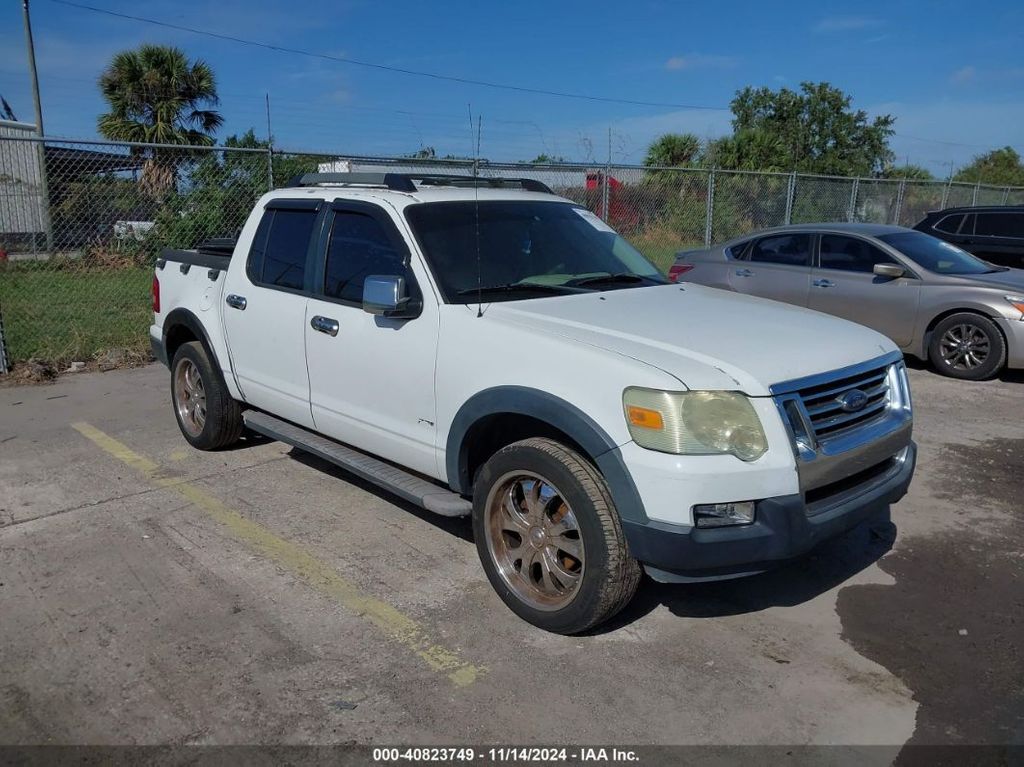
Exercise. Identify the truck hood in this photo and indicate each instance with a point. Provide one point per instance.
(706, 338)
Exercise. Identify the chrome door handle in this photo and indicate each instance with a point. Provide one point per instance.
(324, 325)
(823, 284)
(744, 273)
(236, 302)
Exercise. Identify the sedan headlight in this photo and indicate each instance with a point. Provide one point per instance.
(1017, 302)
(694, 423)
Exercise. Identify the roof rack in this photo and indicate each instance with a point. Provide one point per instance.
(395, 181)
(403, 182)
(495, 182)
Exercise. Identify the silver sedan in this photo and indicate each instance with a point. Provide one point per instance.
(936, 301)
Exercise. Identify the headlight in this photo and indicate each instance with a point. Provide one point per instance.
(1017, 302)
(694, 423)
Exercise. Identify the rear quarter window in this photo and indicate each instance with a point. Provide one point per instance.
(949, 224)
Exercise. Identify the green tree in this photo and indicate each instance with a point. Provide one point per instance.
(673, 150)
(546, 159)
(814, 130)
(1001, 167)
(909, 172)
(156, 95)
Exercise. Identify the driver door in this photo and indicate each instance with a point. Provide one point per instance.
(371, 378)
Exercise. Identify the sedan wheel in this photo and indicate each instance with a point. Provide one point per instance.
(967, 345)
(964, 347)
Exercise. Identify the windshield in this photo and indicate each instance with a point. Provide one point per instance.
(527, 249)
(935, 255)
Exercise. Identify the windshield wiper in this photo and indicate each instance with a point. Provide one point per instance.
(612, 279)
(517, 287)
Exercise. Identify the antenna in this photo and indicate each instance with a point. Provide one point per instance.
(476, 212)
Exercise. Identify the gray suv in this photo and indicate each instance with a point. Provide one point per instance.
(934, 300)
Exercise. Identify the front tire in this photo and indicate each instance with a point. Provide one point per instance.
(549, 537)
(967, 346)
(209, 418)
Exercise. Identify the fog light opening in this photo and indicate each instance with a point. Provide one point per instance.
(723, 514)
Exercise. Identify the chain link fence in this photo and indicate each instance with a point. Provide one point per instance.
(82, 222)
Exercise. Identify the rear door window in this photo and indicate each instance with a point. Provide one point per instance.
(280, 248)
(737, 250)
(785, 249)
(1000, 225)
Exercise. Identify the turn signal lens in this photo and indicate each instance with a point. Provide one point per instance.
(645, 418)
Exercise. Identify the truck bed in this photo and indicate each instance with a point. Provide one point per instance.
(212, 254)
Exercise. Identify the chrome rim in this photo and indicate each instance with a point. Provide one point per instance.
(964, 346)
(190, 397)
(534, 539)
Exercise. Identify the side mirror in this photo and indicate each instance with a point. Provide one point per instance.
(386, 296)
(891, 271)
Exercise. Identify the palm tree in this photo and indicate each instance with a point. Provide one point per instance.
(156, 95)
(673, 150)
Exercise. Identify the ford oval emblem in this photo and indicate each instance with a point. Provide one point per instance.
(852, 401)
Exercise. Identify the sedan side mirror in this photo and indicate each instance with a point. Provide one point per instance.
(889, 270)
(387, 296)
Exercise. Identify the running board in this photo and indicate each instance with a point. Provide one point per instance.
(411, 487)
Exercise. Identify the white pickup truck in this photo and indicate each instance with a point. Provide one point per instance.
(484, 347)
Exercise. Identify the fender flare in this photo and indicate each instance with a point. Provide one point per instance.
(564, 416)
(189, 320)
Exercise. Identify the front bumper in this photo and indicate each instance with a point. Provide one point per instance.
(784, 527)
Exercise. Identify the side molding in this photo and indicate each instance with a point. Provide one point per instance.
(562, 415)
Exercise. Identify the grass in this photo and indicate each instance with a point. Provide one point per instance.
(61, 314)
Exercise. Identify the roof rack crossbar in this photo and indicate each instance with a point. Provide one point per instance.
(446, 179)
(395, 181)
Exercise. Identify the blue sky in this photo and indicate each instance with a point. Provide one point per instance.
(952, 73)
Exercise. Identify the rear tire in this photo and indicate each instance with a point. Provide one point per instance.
(549, 537)
(967, 346)
(209, 418)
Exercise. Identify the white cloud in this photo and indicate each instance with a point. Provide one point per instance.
(963, 75)
(699, 61)
(846, 23)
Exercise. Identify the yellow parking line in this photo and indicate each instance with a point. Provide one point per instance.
(313, 571)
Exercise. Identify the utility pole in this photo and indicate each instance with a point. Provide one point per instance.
(44, 190)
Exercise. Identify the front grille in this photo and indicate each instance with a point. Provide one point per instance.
(824, 408)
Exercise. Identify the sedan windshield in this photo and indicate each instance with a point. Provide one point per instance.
(935, 255)
(524, 249)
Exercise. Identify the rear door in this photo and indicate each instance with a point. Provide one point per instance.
(777, 266)
(264, 315)
(844, 284)
(371, 378)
